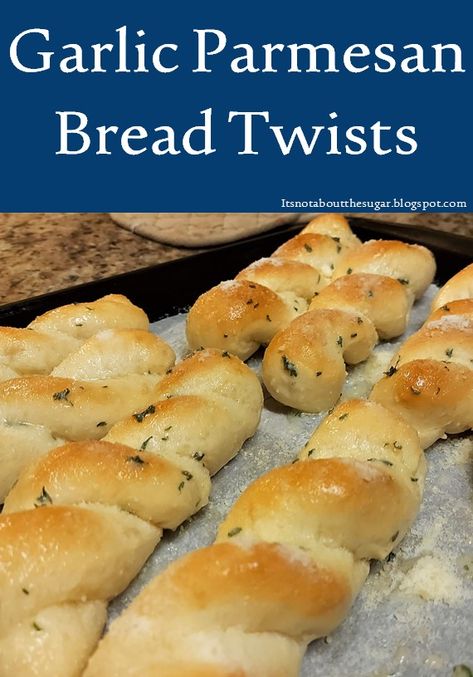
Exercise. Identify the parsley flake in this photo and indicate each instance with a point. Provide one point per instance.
(62, 396)
(145, 443)
(136, 459)
(290, 367)
(43, 499)
(234, 532)
(142, 414)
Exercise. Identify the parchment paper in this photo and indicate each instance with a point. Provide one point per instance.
(392, 628)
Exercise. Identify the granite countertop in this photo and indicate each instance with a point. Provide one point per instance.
(45, 252)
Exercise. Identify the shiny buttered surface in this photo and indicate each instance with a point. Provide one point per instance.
(430, 380)
(293, 551)
(241, 315)
(81, 520)
(288, 561)
(71, 375)
(284, 301)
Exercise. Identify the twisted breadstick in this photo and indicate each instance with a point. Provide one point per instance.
(51, 337)
(82, 520)
(411, 264)
(460, 286)
(106, 377)
(430, 380)
(292, 553)
(242, 314)
(304, 364)
(288, 561)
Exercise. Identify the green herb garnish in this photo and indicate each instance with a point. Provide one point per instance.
(62, 396)
(234, 532)
(290, 367)
(136, 459)
(139, 417)
(43, 499)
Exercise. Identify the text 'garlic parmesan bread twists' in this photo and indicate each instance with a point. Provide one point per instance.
(430, 380)
(82, 520)
(289, 559)
(72, 374)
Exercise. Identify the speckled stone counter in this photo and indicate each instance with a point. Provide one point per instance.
(45, 252)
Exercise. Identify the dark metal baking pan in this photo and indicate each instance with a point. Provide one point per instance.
(166, 288)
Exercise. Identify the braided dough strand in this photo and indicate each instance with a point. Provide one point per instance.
(430, 380)
(242, 314)
(357, 308)
(112, 374)
(98, 509)
(289, 558)
(460, 286)
(51, 337)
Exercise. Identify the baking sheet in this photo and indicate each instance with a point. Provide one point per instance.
(414, 616)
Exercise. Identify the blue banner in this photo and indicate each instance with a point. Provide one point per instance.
(248, 106)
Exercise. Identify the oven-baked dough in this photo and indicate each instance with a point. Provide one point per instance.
(242, 314)
(71, 374)
(289, 558)
(430, 380)
(46, 341)
(460, 286)
(304, 364)
(82, 520)
(327, 271)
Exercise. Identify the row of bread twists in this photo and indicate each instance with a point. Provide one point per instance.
(256, 606)
(370, 298)
(289, 558)
(110, 373)
(430, 380)
(51, 337)
(82, 520)
(240, 315)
